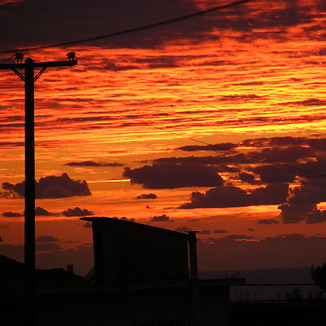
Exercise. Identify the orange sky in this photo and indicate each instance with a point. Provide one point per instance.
(160, 98)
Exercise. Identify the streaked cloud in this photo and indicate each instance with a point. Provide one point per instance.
(77, 211)
(161, 218)
(216, 147)
(46, 238)
(39, 211)
(219, 231)
(147, 196)
(51, 187)
(183, 229)
(230, 196)
(308, 213)
(12, 214)
(169, 176)
(47, 247)
(238, 237)
(268, 221)
(94, 164)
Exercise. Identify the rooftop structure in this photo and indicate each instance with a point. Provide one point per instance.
(153, 273)
(131, 252)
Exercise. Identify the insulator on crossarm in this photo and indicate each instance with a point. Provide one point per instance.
(19, 58)
(71, 56)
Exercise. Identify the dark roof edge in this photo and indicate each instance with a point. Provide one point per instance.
(103, 219)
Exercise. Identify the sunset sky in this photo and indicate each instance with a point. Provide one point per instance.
(214, 123)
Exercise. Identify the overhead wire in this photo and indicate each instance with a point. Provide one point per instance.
(157, 88)
(131, 30)
(133, 118)
(203, 142)
(182, 136)
(141, 28)
(11, 95)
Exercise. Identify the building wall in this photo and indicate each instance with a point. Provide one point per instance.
(126, 251)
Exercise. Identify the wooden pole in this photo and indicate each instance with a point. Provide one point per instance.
(29, 253)
(29, 225)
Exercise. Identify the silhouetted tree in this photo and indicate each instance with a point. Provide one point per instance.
(318, 274)
(294, 295)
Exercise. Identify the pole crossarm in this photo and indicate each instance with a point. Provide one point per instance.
(12, 66)
(69, 63)
(15, 67)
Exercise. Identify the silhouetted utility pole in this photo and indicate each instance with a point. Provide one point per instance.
(194, 311)
(29, 253)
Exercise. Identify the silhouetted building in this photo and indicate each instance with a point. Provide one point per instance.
(12, 277)
(143, 276)
(131, 252)
(151, 278)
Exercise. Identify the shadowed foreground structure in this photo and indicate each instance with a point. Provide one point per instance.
(131, 285)
(152, 272)
(144, 276)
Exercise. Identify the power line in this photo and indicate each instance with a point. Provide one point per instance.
(287, 165)
(200, 13)
(131, 30)
(185, 137)
(11, 95)
(117, 112)
(157, 88)
(145, 122)
(169, 131)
